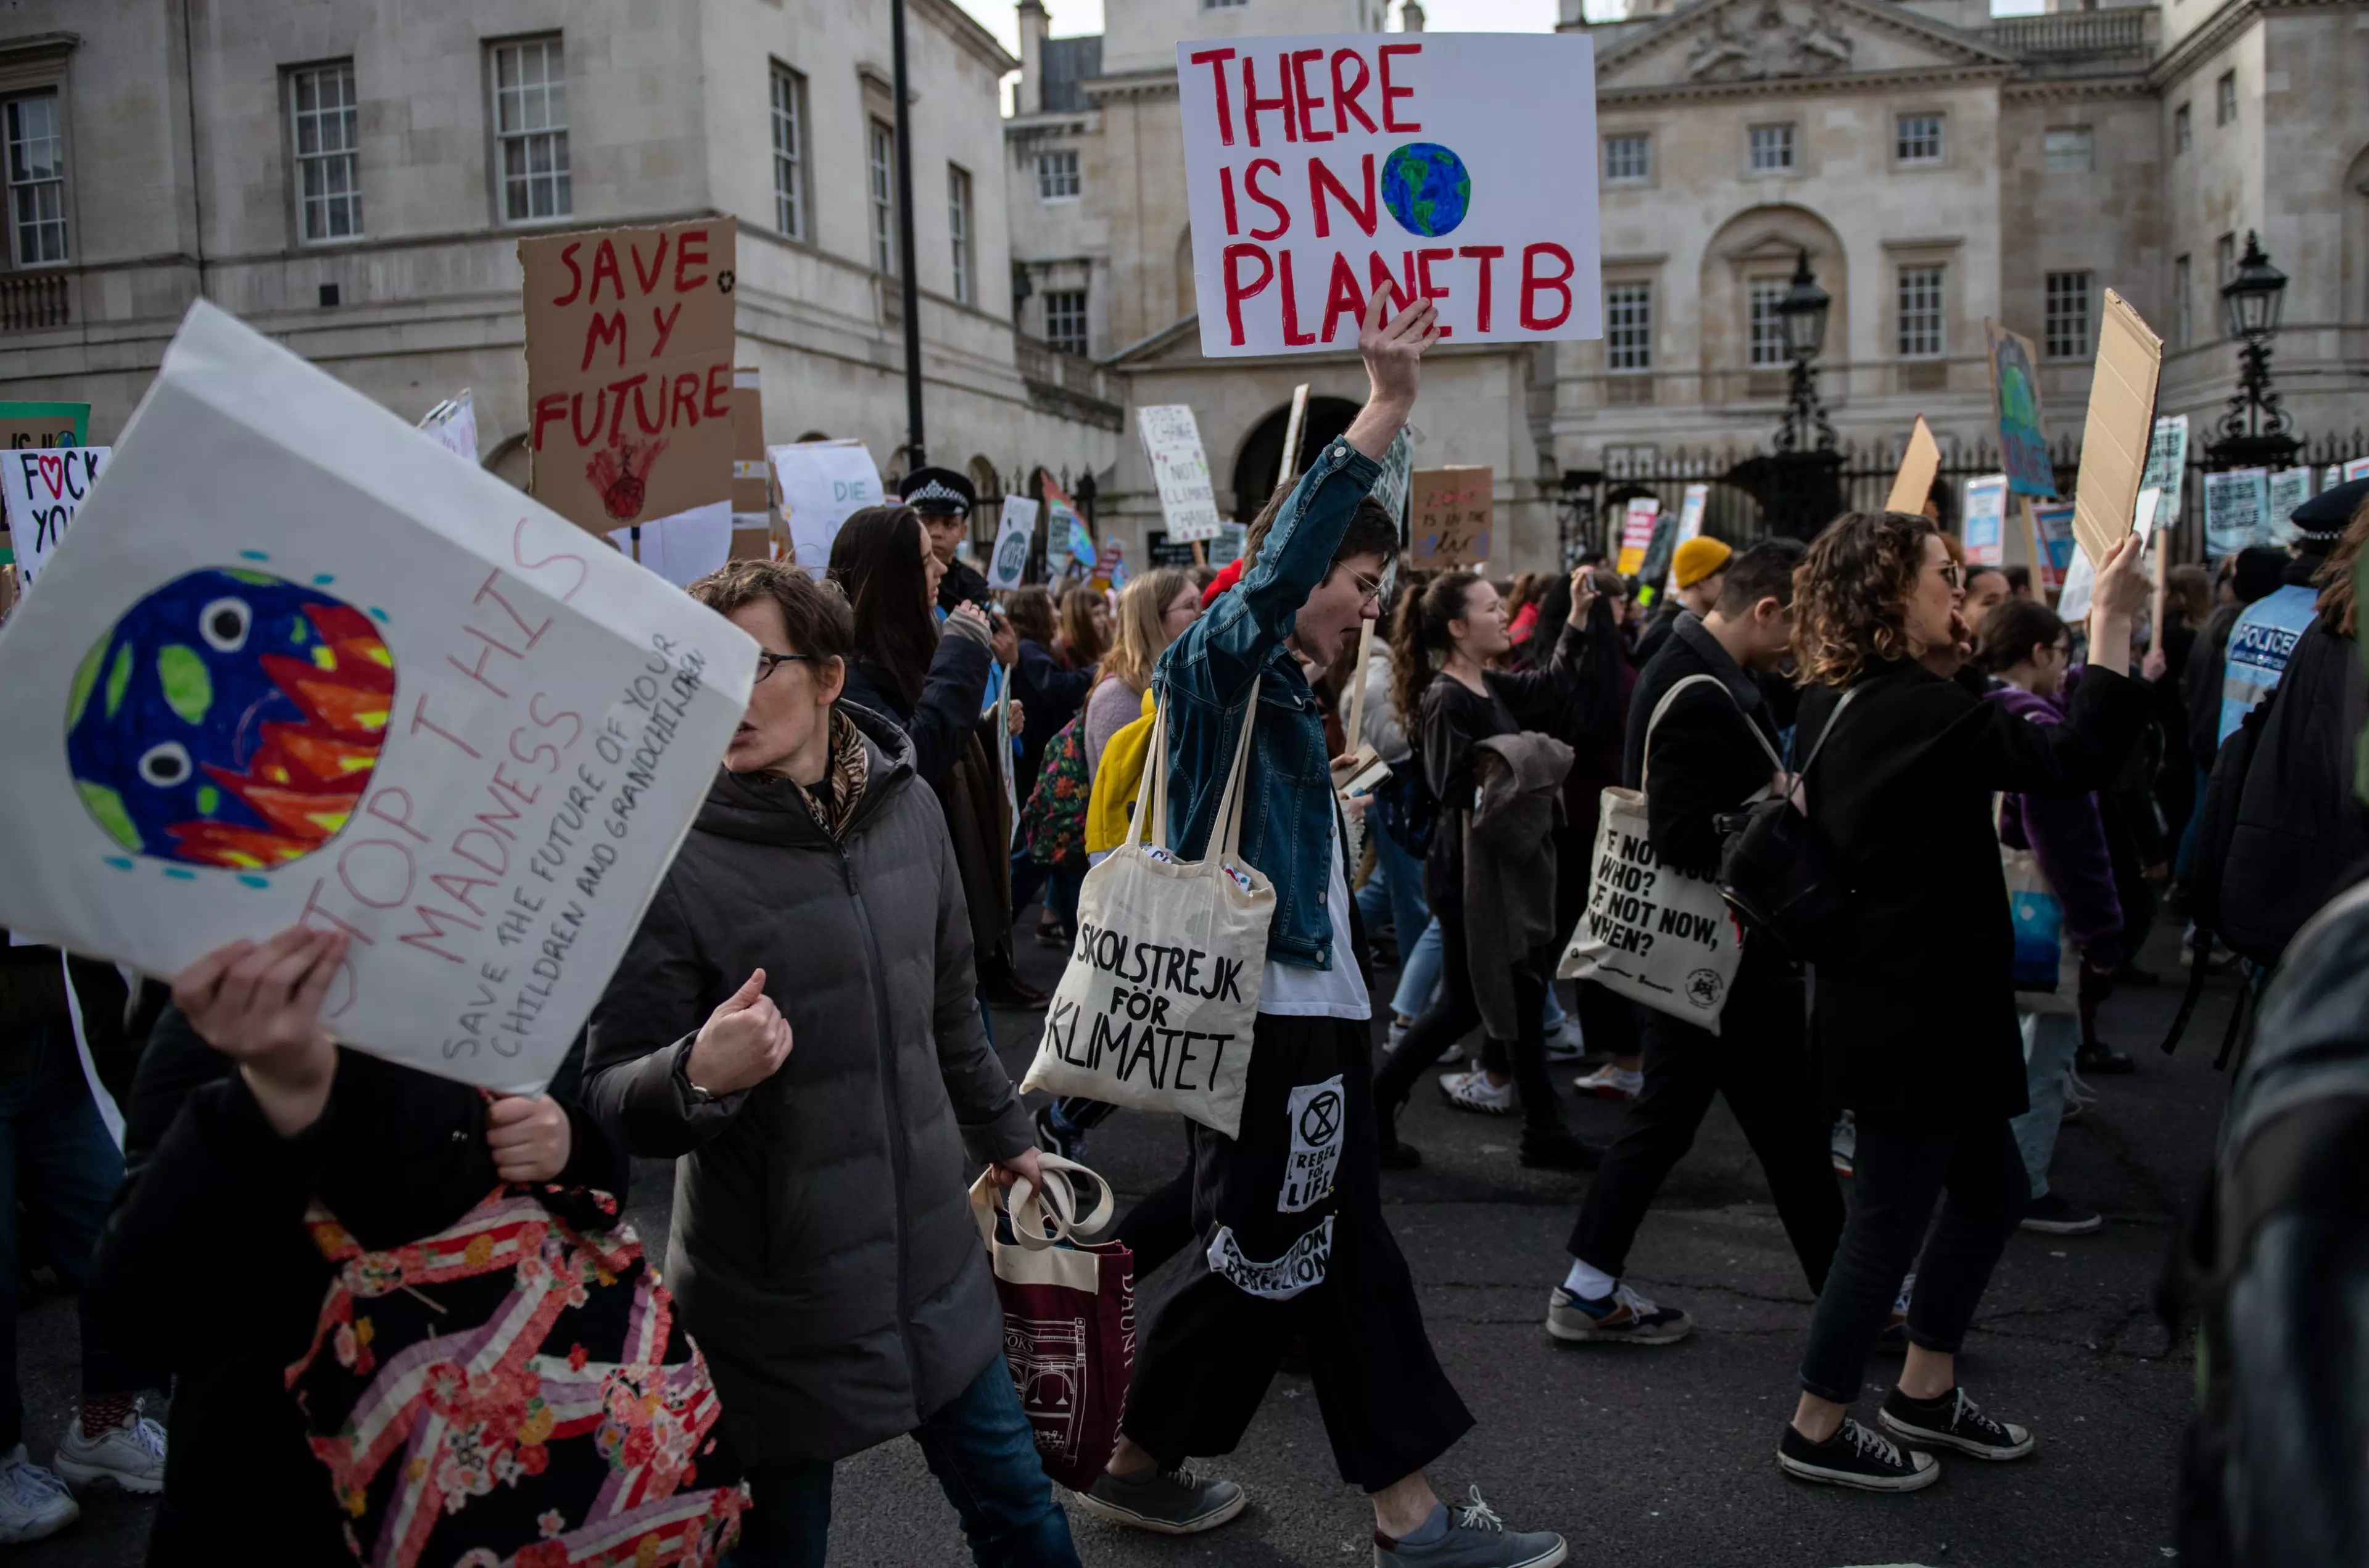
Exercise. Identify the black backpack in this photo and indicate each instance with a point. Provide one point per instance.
(2275, 1261)
(1773, 870)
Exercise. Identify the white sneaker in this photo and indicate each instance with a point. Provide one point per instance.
(33, 1502)
(1473, 1092)
(1610, 1083)
(1566, 1043)
(132, 1455)
(1845, 1144)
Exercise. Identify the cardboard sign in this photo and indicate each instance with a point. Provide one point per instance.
(2118, 430)
(822, 483)
(2014, 398)
(629, 369)
(2167, 467)
(44, 489)
(1320, 170)
(1636, 534)
(1984, 530)
(367, 687)
(1913, 482)
(1014, 536)
(2289, 489)
(752, 476)
(453, 424)
(44, 424)
(2054, 526)
(682, 548)
(2236, 510)
(1451, 516)
(1171, 444)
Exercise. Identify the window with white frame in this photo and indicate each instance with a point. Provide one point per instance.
(1057, 175)
(2224, 98)
(1917, 139)
(2068, 320)
(880, 180)
(2183, 309)
(2069, 149)
(1773, 148)
(790, 153)
(531, 129)
(1629, 327)
(1627, 158)
(324, 125)
(1768, 346)
(1920, 312)
(958, 229)
(1065, 319)
(37, 179)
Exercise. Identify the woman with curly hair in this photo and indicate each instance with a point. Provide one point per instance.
(1915, 1018)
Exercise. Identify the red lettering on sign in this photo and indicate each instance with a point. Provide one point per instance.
(1487, 255)
(719, 391)
(691, 250)
(1320, 178)
(1235, 290)
(1533, 285)
(1310, 100)
(649, 280)
(1378, 272)
(1253, 103)
(1341, 298)
(575, 273)
(1251, 183)
(575, 416)
(604, 265)
(1226, 195)
(686, 399)
(1390, 113)
(600, 330)
(551, 405)
(665, 321)
(617, 414)
(1291, 333)
(1344, 94)
(1423, 279)
(1215, 58)
(641, 415)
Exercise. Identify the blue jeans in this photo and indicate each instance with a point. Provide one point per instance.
(983, 1452)
(2050, 1039)
(52, 1139)
(1418, 973)
(1397, 882)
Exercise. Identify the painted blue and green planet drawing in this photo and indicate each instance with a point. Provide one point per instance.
(230, 718)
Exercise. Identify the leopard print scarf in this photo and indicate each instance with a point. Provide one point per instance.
(851, 766)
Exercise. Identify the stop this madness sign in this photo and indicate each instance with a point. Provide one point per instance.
(1455, 167)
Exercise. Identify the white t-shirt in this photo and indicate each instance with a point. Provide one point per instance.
(1294, 990)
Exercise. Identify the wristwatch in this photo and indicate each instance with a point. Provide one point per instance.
(693, 1091)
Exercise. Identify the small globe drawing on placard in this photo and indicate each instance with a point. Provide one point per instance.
(1427, 189)
(1011, 557)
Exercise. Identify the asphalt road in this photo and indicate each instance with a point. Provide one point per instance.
(1640, 1455)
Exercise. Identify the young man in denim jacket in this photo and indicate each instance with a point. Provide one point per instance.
(1291, 1209)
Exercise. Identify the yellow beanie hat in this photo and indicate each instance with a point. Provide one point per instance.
(1697, 559)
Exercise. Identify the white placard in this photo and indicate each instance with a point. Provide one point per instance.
(2290, 488)
(453, 424)
(2167, 468)
(2354, 468)
(2080, 582)
(1061, 534)
(1459, 166)
(2236, 510)
(682, 548)
(822, 483)
(1171, 444)
(1014, 537)
(1985, 532)
(44, 489)
(359, 684)
(1690, 512)
(2143, 515)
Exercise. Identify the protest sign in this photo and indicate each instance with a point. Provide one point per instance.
(1389, 491)
(2289, 489)
(2236, 510)
(1636, 534)
(2080, 582)
(1171, 444)
(2334, 477)
(1660, 545)
(43, 488)
(822, 483)
(682, 548)
(752, 476)
(1318, 169)
(1059, 535)
(44, 424)
(1451, 516)
(1691, 511)
(1160, 552)
(1008, 567)
(629, 369)
(368, 688)
(1984, 530)
(1228, 548)
(2143, 515)
(2014, 398)
(1914, 482)
(2052, 529)
(2119, 429)
(2354, 468)
(453, 424)
(2167, 467)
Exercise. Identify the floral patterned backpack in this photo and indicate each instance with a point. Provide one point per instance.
(514, 1390)
(1054, 821)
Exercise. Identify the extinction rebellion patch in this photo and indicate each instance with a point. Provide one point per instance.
(1280, 1280)
(1318, 1130)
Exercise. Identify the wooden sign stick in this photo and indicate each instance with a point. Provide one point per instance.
(1291, 435)
(1200, 554)
(1357, 690)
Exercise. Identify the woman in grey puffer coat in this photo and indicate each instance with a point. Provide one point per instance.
(795, 1022)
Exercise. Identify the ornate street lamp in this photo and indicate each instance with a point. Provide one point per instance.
(1800, 486)
(1802, 312)
(2256, 432)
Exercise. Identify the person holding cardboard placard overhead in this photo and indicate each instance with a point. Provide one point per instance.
(1914, 1015)
(1292, 1206)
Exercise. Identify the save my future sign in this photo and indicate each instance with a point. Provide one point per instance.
(1453, 168)
(629, 369)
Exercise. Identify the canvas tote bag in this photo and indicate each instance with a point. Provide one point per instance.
(1654, 934)
(1154, 1012)
(1068, 1316)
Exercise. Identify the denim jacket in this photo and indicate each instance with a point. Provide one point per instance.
(1207, 678)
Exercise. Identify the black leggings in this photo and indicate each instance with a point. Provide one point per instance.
(1453, 1014)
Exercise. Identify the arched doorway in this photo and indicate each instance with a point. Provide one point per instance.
(1255, 470)
(1746, 268)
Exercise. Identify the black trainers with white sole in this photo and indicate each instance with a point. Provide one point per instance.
(1165, 1502)
(1954, 1421)
(2057, 1216)
(1856, 1457)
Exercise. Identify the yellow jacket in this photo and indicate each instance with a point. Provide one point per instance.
(1117, 778)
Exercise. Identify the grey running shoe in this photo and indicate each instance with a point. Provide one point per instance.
(1165, 1502)
(1476, 1538)
(1624, 1317)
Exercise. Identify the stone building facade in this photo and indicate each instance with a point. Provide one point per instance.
(1937, 166)
(352, 176)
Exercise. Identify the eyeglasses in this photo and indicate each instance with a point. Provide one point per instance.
(766, 662)
(1370, 590)
(1949, 570)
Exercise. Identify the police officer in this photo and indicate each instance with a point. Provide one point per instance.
(944, 499)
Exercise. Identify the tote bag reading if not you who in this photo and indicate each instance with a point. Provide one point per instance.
(1155, 1009)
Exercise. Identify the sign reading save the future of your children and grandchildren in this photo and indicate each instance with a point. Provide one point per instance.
(1441, 167)
(354, 682)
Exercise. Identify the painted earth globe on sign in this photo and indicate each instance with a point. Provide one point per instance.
(1427, 189)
